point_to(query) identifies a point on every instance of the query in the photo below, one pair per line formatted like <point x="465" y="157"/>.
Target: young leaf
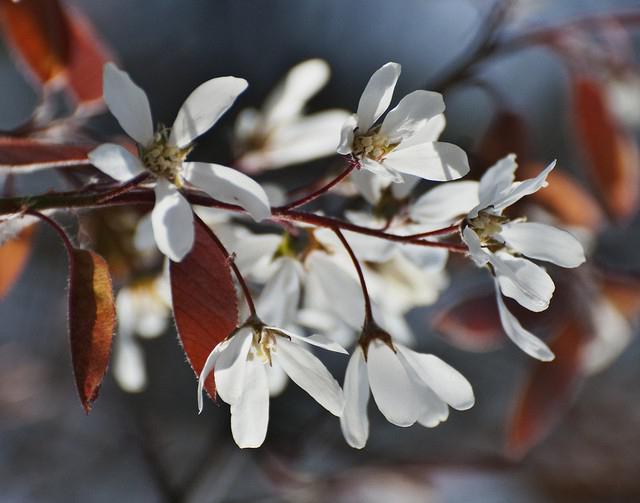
<point x="13" y="257"/>
<point x="548" y="390"/>
<point x="25" y="154"/>
<point x="92" y="320"/>
<point x="205" y="306"/>
<point x="611" y="154"/>
<point x="38" y="33"/>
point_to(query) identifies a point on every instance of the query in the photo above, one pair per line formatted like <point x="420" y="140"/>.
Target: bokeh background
<point x="152" y="446"/>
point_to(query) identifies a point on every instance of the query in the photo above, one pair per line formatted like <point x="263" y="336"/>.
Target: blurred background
<point x="547" y="80"/>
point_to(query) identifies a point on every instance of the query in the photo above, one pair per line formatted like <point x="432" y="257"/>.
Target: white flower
<point x="404" y="144"/>
<point x="496" y="242"/>
<point x="279" y="135"/>
<point x="163" y="154"/>
<point x="407" y="387"/>
<point x="240" y="365"/>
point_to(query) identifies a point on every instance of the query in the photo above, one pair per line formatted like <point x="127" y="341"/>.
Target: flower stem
<point x="124" y="187"/>
<point x="322" y="190"/>
<point x="56" y="227"/>
<point x="368" y="313"/>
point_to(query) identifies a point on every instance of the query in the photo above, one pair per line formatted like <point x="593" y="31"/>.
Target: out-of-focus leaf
<point x="13" y="257"/>
<point x="25" y="154"/>
<point x="611" y="154"/>
<point x="507" y="133"/>
<point x="205" y="306"/>
<point x="92" y="320"/>
<point x="87" y="56"/>
<point x="624" y="294"/>
<point x="37" y="31"/>
<point x="565" y="198"/>
<point x="472" y="324"/>
<point x="548" y="390"/>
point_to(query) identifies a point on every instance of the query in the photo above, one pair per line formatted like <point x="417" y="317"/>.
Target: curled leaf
<point x="92" y="320"/>
<point x="205" y="306"/>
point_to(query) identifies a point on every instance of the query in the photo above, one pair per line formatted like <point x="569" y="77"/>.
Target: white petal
<point x="369" y="184"/>
<point x="128" y="103"/>
<point x="476" y="252"/>
<point x="497" y="179"/>
<point x="428" y="133"/>
<point x="129" y="368"/>
<point x="404" y="188"/>
<point x="209" y="365"/>
<point x="391" y="386"/>
<point x="543" y="242"/>
<point x="229" y="186"/>
<point x="287" y="100"/>
<point x="385" y="173"/>
<point x="308" y="372"/>
<point x="279" y="299"/>
<point x="116" y="162"/>
<point x="411" y="114"/>
<point x="520" y="189"/>
<point x="524" y="339"/>
<point x="317" y="340"/>
<point x="449" y="384"/>
<point x="446" y="202"/>
<point x="231" y="364"/>
<point x="204" y="106"/>
<point x="277" y="379"/>
<point x="172" y="221"/>
<point x="612" y="334"/>
<point x="432" y="161"/>
<point x="345" y="144"/>
<point x="523" y="281"/>
<point x="354" y="421"/>
<point x="376" y="96"/>
<point x="250" y="415"/>
<point x="433" y="410"/>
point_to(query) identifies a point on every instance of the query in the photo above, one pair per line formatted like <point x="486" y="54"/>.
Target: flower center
<point x="486" y="226"/>
<point x="264" y="342"/>
<point x="372" y="144"/>
<point x="163" y="159"/>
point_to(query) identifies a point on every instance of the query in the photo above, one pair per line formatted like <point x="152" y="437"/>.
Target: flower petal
<point x="279" y="299"/>
<point x="523" y="281"/>
<point x="287" y="100"/>
<point x="116" y="162"/>
<point x="385" y="173"/>
<point x="229" y="186"/>
<point x="250" y="414"/>
<point x="428" y="133"/>
<point x="432" y="161"/>
<point x="446" y="203"/>
<point x="354" y="421"/>
<point x="368" y="184"/>
<point x="209" y="365"/>
<point x="520" y="189"/>
<point x="411" y="114"/>
<point x="392" y="388"/>
<point x="172" y="221"/>
<point x="308" y="372"/>
<point x="345" y="144"/>
<point x="128" y="103"/>
<point x="543" y="242"/>
<point x="204" y="106"/>
<point x="376" y="96"/>
<point x="129" y="369"/>
<point x="524" y="339"/>
<point x="277" y="379"/>
<point x="476" y="252"/>
<point x="317" y="340"/>
<point x="497" y="179"/>
<point x="230" y="366"/>
<point x="433" y="410"/>
<point x="449" y="384"/>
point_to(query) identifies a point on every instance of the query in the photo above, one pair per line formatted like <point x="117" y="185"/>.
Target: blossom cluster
<point x="350" y="282"/>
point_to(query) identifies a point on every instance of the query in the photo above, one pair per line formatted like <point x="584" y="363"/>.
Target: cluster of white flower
<point x="310" y="276"/>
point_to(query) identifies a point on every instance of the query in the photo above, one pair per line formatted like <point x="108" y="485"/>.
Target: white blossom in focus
<point x="240" y="365"/>
<point x="280" y="135"/>
<point x="163" y="154"/>
<point x="404" y="143"/>
<point x="407" y="386"/>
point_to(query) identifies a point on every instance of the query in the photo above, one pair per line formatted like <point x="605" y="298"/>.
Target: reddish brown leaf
<point x="565" y="198"/>
<point x="92" y="319"/>
<point x="204" y="300"/>
<point x="13" y="257"/>
<point x="472" y="324"/>
<point x="87" y="56"/>
<point x="624" y="294"/>
<point x="28" y="154"/>
<point x="548" y="390"/>
<point x="610" y="153"/>
<point x="37" y="31"/>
